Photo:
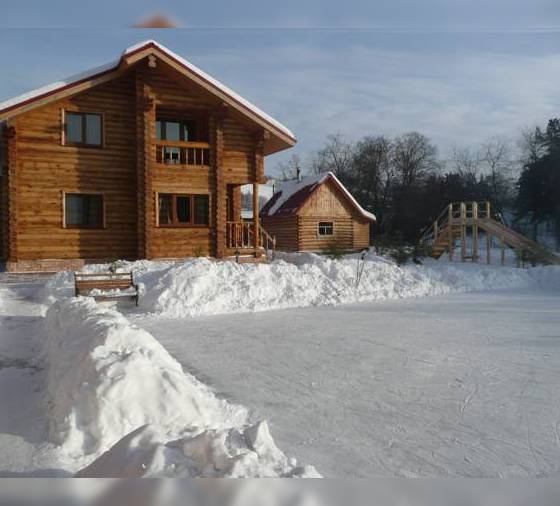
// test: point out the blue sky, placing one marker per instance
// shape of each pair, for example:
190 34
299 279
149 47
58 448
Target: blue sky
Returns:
459 72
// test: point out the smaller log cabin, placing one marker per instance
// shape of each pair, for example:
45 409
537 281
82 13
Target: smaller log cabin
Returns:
141 158
317 214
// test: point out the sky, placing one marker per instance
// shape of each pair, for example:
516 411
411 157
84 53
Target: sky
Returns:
459 72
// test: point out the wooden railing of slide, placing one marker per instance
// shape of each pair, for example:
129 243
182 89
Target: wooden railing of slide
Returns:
460 218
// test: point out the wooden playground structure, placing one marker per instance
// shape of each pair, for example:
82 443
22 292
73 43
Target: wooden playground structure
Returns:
462 220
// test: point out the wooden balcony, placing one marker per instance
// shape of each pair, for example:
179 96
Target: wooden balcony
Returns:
179 153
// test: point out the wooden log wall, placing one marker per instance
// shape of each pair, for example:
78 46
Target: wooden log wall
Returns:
326 204
361 234
46 169
285 229
3 190
41 169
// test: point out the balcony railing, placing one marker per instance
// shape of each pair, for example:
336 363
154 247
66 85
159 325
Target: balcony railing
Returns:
183 153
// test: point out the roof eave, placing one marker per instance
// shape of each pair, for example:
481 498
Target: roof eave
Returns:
280 138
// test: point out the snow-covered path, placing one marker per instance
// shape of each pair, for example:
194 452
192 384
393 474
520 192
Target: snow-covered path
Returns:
23 426
458 385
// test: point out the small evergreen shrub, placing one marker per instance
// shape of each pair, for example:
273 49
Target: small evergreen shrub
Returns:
334 251
401 254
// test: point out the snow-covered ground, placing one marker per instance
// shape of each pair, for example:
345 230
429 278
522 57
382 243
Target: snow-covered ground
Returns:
350 378
24 450
465 385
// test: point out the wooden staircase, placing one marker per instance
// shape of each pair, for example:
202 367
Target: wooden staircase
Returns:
459 218
248 247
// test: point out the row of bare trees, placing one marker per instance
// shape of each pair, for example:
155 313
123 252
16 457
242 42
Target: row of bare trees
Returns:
404 181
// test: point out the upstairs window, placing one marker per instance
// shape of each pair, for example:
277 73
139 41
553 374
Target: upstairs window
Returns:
183 210
83 210
325 228
176 131
83 129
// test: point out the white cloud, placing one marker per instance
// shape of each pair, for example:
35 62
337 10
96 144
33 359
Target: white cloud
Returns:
456 98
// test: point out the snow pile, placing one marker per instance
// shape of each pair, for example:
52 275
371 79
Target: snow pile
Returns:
234 453
205 287
107 378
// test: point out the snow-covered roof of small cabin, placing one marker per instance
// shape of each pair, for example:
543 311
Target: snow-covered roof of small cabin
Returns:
293 194
76 79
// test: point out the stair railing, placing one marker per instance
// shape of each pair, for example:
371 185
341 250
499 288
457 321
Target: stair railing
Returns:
430 234
268 242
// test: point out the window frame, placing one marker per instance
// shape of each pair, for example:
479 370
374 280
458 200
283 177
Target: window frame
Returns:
164 119
83 114
103 225
177 224
323 224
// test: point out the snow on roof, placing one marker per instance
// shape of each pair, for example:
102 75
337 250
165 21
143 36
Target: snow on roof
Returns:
57 86
294 193
84 76
214 82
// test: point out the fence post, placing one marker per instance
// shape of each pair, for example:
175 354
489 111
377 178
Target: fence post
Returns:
475 249
463 222
450 231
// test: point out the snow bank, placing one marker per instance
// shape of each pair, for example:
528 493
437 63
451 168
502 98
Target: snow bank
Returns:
205 287
106 379
234 453
202 286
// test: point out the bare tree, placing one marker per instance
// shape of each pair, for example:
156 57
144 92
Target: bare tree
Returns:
497 162
414 157
466 163
288 169
335 157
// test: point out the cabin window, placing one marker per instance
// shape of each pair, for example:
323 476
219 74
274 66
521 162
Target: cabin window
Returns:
176 131
83 210
325 228
183 210
83 129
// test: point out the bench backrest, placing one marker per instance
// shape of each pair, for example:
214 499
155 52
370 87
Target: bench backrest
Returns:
86 282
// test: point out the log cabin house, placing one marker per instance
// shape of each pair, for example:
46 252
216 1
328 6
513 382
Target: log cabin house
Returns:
141 158
316 213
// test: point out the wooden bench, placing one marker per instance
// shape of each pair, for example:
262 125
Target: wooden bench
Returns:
110 285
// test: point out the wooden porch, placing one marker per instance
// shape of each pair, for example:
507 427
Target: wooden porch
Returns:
241 240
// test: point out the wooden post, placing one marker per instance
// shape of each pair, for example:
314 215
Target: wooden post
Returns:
12 217
488 248
256 224
450 231
220 193
463 231
488 210
145 148
475 250
503 250
258 166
